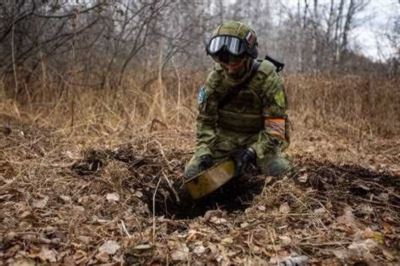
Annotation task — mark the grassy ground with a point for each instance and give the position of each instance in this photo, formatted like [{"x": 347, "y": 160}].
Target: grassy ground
[{"x": 94, "y": 179}]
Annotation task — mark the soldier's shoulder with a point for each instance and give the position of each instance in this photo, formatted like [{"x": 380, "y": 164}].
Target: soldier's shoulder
[
  {"x": 214, "y": 77},
  {"x": 266, "y": 68}
]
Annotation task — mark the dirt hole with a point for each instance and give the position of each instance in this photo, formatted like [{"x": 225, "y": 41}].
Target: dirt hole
[
  {"x": 235, "y": 196},
  {"x": 147, "y": 171}
]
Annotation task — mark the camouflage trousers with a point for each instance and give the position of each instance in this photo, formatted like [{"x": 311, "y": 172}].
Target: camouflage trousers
[{"x": 274, "y": 164}]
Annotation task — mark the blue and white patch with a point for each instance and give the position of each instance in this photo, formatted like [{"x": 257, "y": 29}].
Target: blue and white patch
[{"x": 202, "y": 97}]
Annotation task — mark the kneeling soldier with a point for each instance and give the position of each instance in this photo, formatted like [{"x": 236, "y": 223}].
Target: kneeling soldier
[{"x": 242, "y": 107}]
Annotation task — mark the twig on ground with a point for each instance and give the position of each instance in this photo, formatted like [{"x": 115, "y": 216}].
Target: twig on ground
[
  {"x": 124, "y": 229},
  {"x": 154, "y": 209},
  {"x": 171, "y": 187}
]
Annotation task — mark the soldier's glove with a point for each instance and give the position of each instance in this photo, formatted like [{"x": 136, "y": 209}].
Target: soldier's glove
[
  {"x": 206, "y": 161},
  {"x": 242, "y": 160}
]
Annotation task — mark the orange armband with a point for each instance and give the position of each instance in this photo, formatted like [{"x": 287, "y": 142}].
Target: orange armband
[{"x": 276, "y": 126}]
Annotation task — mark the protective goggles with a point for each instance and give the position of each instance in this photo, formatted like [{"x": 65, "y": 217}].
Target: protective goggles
[{"x": 232, "y": 45}]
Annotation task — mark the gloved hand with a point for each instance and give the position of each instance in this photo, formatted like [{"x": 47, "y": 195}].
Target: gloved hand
[
  {"x": 206, "y": 161},
  {"x": 242, "y": 160}
]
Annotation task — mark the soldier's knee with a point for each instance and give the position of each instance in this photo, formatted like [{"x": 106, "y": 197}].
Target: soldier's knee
[{"x": 277, "y": 166}]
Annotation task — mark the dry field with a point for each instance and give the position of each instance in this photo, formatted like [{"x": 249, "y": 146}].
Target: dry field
[{"x": 93, "y": 177}]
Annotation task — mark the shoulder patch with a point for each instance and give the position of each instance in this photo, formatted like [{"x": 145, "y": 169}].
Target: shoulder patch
[
  {"x": 266, "y": 67},
  {"x": 280, "y": 98},
  {"x": 202, "y": 97}
]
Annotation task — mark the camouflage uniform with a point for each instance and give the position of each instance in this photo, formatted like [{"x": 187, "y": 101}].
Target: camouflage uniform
[{"x": 254, "y": 117}]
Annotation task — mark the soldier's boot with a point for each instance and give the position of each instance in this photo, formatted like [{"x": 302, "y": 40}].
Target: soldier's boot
[{"x": 274, "y": 165}]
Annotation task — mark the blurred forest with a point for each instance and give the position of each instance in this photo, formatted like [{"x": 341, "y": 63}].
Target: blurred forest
[
  {"x": 97, "y": 44},
  {"x": 97, "y": 121}
]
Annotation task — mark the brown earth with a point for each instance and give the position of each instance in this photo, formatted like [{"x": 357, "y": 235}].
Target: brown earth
[{"x": 65, "y": 200}]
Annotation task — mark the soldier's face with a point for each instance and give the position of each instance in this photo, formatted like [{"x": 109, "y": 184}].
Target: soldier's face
[{"x": 235, "y": 66}]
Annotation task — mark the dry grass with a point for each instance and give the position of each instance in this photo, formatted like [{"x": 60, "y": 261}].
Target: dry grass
[
  {"x": 367, "y": 104},
  {"x": 63, "y": 162}
]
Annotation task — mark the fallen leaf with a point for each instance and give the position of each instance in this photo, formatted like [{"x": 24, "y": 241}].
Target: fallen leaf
[
  {"x": 78, "y": 209},
  {"x": 40, "y": 204},
  {"x": 110, "y": 247},
  {"x": 138, "y": 194},
  {"x": 80, "y": 257},
  {"x": 211, "y": 213},
  {"x": 200, "y": 249},
  {"x": 365, "y": 209},
  {"x": 102, "y": 256},
  {"x": 244, "y": 224},
  {"x": 319, "y": 211},
  {"x": 180, "y": 253},
  {"x": 347, "y": 218},
  {"x": 284, "y": 208},
  {"x": 227, "y": 240},
  {"x": 341, "y": 254},
  {"x": 261, "y": 208},
  {"x": 289, "y": 260},
  {"x": 363, "y": 248},
  {"x": 45, "y": 255},
  {"x": 143, "y": 247},
  {"x": 285, "y": 240},
  {"x": 303, "y": 178},
  {"x": 384, "y": 196},
  {"x": 112, "y": 197},
  {"x": 217, "y": 220},
  {"x": 25, "y": 214},
  {"x": 376, "y": 236},
  {"x": 48, "y": 254},
  {"x": 66, "y": 199},
  {"x": 84, "y": 239},
  {"x": 73, "y": 155}
]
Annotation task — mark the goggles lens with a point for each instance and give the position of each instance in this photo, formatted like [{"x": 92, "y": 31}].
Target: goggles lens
[{"x": 233, "y": 45}]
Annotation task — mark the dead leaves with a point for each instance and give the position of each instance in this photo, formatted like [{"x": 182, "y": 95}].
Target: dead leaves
[
  {"x": 284, "y": 208},
  {"x": 40, "y": 203},
  {"x": 110, "y": 247},
  {"x": 294, "y": 260},
  {"x": 112, "y": 197},
  {"x": 180, "y": 251},
  {"x": 347, "y": 218},
  {"x": 328, "y": 211},
  {"x": 361, "y": 250},
  {"x": 45, "y": 255}
]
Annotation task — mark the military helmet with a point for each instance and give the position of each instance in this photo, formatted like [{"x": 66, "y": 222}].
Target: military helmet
[{"x": 234, "y": 38}]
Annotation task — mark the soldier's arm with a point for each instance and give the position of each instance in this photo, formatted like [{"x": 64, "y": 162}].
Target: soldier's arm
[
  {"x": 275, "y": 134},
  {"x": 207, "y": 117}
]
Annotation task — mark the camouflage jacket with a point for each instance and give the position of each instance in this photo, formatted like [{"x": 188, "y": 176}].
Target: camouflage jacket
[{"x": 257, "y": 110}]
